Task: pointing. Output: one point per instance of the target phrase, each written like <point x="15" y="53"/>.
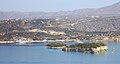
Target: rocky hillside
<point x="90" y="24"/>
<point x="59" y="28"/>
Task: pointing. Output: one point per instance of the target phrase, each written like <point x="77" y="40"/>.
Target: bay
<point x="42" y="55"/>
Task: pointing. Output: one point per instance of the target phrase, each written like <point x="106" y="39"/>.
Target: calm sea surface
<point x="41" y="55"/>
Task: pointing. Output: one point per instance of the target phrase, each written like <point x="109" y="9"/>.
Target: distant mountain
<point x="14" y="14"/>
<point x="112" y="9"/>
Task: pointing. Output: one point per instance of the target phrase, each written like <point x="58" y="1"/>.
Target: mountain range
<point x="112" y="9"/>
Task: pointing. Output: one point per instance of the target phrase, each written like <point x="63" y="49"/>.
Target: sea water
<point x="42" y="55"/>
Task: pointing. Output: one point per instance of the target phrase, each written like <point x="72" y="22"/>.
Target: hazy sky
<point x="51" y="5"/>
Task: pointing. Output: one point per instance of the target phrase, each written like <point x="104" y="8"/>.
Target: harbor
<point x="35" y="42"/>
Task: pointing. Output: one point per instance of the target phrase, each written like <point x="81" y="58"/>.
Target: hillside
<point x="59" y="28"/>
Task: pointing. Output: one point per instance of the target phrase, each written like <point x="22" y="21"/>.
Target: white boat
<point x="20" y="42"/>
<point x="113" y="50"/>
<point x="78" y="41"/>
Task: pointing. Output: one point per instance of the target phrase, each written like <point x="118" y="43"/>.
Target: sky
<point x="52" y="5"/>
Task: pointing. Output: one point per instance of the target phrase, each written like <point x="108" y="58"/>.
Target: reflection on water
<point x="41" y="55"/>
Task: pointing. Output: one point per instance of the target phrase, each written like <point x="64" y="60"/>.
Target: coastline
<point x="80" y="47"/>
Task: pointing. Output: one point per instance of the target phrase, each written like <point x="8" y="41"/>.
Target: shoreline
<point x="80" y="47"/>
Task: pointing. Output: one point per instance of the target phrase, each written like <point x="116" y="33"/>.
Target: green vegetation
<point x="87" y="45"/>
<point x="55" y="44"/>
<point x="79" y="45"/>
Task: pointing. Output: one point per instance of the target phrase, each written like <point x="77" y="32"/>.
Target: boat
<point x="113" y="50"/>
<point x="78" y="41"/>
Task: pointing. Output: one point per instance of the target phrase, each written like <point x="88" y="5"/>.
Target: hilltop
<point x="107" y="10"/>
